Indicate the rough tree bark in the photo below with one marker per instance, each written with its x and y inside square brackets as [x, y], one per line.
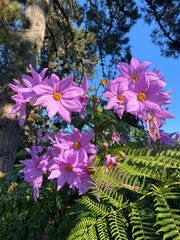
[36, 12]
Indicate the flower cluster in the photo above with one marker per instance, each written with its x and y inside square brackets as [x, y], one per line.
[59, 97]
[140, 93]
[69, 160]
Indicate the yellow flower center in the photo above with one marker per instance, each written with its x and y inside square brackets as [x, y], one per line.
[57, 96]
[110, 166]
[141, 96]
[120, 97]
[36, 165]
[76, 145]
[134, 77]
[68, 168]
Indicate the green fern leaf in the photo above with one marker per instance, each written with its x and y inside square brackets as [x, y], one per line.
[107, 193]
[142, 223]
[168, 219]
[92, 233]
[81, 229]
[102, 229]
[117, 226]
[98, 208]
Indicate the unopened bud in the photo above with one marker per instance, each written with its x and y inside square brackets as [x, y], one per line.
[95, 99]
[105, 82]
[105, 145]
[122, 154]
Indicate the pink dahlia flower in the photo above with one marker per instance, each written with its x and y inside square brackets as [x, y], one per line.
[60, 97]
[79, 143]
[31, 82]
[132, 72]
[115, 137]
[110, 163]
[65, 169]
[33, 171]
[84, 181]
[145, 97]
[19, 106]
[115, 94]
[166, 138]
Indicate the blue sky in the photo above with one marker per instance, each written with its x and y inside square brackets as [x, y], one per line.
[144, 50]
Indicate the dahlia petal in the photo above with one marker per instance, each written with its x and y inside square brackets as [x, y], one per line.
[86, 137]
[85, 85]
[66, 138]
[27, 80]
[91, 148]
[72, 92]
[134, 63]
[77, 135]
[43, 72]
[44, 100]
[42, 89]
[52, 108]
[132, 106]
[65, 84]
[112, 103]
[72, 105]
[53, 82]
[82, 156]
[36, 76]
[155, 87]
[54, 174]
[16, 108]
[152, 106]
[108, 95]
[143, 66]
[22, 116]
[65, 114]
[124, 69]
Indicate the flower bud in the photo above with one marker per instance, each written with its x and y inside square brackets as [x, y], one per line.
[105, 82]
[122, 154]
[105, 145]
[95, 99]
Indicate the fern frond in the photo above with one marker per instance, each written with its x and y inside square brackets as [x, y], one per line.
[154, 167]
[141, 166]
[107, 193]
[161, 150]
[102, 229]
[117, 226]
[81, 229]
[168, 218]
[92, 233]
[142, 222]
[98, 208]
[116, 178]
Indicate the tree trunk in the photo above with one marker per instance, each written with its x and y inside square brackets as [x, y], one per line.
[36, 12]
[9, 137]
